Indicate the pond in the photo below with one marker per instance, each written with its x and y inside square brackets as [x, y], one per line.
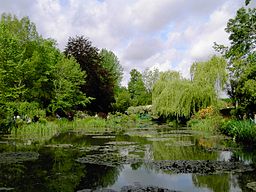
[156, 158]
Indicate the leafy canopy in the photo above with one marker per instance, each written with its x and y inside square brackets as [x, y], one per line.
[99, 84]
[241, 55]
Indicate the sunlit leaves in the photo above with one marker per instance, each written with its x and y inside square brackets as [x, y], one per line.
[174, 96]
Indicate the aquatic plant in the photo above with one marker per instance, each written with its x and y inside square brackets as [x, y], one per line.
[242, 131]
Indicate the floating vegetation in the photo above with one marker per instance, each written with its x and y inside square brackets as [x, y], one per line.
[6, 189]
[121, 143]
[111, 160]
[16, 157]
[104, 137]
[59, 145]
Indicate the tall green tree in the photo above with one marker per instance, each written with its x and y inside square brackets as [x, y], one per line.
[137, 89]
[99, 84]
[67, 80]
[241, 55]
[110, 62]
[28, 70]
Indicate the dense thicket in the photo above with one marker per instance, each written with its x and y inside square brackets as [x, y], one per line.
[33, 71]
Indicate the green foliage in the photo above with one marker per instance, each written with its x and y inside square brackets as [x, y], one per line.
[123, 100]
[139, 94]
[174, 96]
[110, 61]
[247, 2]
[211, 73]
[207, 119]
[242, 57]
[33, 71]
[210, 124]
[67, 81]
[18, 113]
[99, 83]
[242, 131]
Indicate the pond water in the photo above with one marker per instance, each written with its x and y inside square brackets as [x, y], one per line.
[159, 156]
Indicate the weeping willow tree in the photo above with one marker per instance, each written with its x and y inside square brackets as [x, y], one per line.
[175, 96]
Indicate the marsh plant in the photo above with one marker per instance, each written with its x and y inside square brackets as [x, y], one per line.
[243, 131]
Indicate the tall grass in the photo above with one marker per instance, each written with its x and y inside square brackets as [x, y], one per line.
[43, 131]
[242, 131]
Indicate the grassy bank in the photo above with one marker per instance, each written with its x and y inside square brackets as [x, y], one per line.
[43, 131]
[209, 120]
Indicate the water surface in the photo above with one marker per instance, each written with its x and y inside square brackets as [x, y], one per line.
[74, 161]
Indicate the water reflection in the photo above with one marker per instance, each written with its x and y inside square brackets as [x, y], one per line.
[57, 168]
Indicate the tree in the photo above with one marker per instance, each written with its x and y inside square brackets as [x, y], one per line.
[99, 84]
[149, 78]
[137, 89]
[67, 81]
[176, 97]
[29, 67]
[111, 63]
[212, 73]
[123, 100]
[247, 2]
[241, 55]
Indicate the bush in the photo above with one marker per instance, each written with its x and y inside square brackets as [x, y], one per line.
[207, 119]
[18, 113]
[242, 131]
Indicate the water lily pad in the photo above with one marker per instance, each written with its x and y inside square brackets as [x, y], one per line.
[6, 189]
[59, 146]
[120, 143]
[15, 157]
[104, 137]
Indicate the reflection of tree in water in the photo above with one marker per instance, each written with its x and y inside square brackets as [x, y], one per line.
[55, 170]
[65, 173]
[99, 176]
[216, 183]
[11, 175]
[161, 151]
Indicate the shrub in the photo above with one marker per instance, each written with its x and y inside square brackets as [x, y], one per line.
[207, 119]
[242, 131]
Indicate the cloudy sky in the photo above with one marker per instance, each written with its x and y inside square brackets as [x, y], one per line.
[168, 34]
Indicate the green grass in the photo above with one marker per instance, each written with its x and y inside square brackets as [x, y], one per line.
[208, 125]
[43, 131]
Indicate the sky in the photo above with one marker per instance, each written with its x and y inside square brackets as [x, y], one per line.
[163, 34]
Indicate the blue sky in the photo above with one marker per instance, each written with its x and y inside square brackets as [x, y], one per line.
[167, 34]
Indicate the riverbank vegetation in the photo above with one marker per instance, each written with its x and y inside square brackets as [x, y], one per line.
[40, 85]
